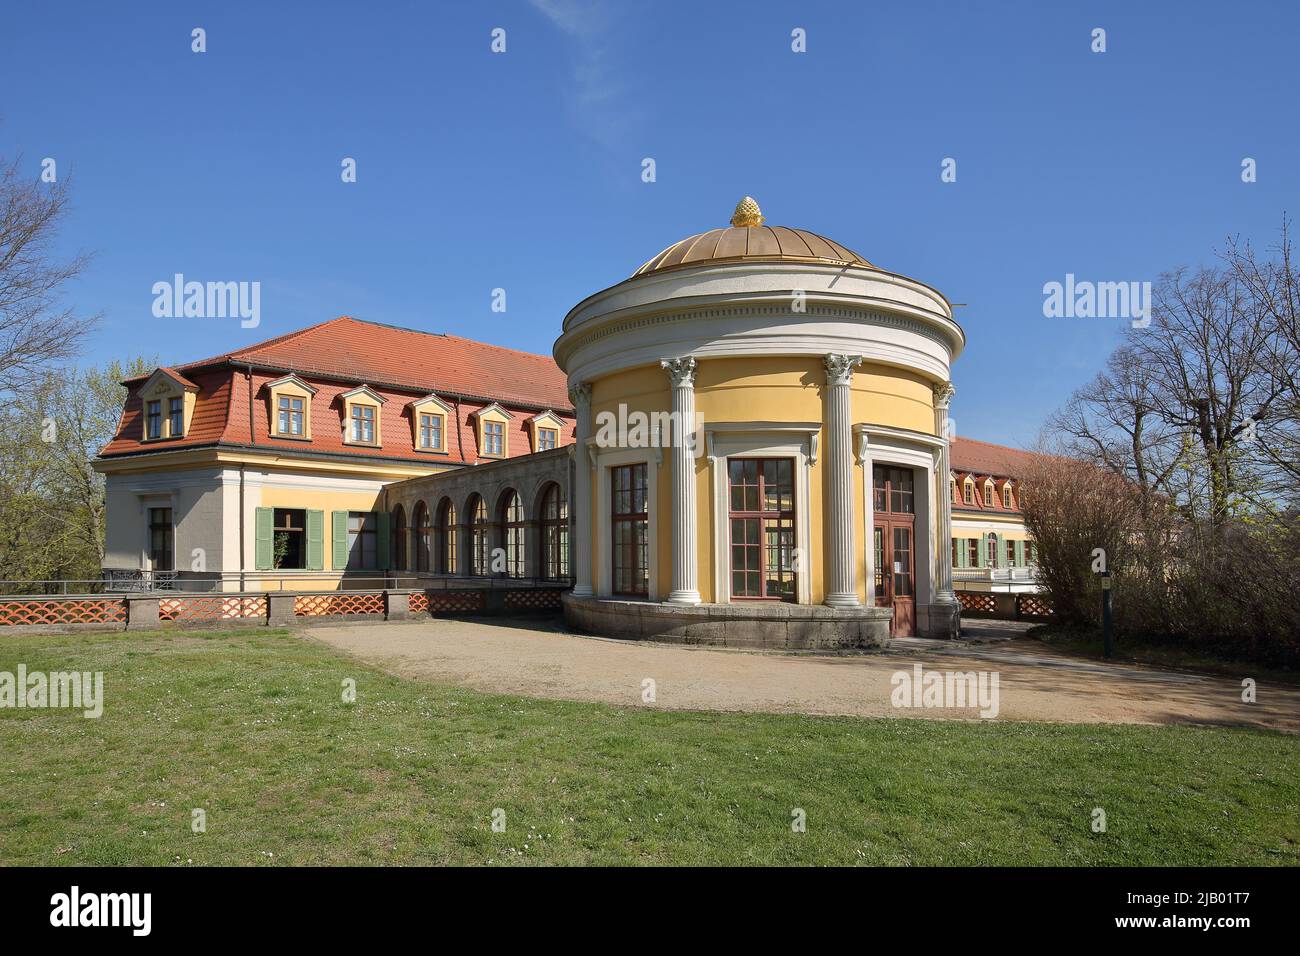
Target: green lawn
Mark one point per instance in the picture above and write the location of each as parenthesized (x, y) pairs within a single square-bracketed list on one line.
[(250, 726)]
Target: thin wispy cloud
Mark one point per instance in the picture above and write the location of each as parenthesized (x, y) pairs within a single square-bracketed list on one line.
[(597, 98)]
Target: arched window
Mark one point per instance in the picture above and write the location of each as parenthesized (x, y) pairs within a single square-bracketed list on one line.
[(399, 539), (446, 537), (554, 526), (993, 550), (422, 537), (476, 513), (511, 518), (1006, 497)]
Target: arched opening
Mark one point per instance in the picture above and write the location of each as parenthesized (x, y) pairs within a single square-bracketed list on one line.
[(510, 516), (554, 526), (993, 550), (447, 537), (479, 528), (399, 538)]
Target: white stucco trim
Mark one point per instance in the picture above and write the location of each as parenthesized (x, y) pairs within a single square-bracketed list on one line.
[(759, 440), (882, 445), (601, 554)]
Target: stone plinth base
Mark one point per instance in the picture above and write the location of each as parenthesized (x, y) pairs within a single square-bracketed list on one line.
[(941, 621), (755, 625)]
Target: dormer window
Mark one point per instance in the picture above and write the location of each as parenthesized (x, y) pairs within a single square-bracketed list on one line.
[(429, 417), (169, 400), (493, 438), (290, 408), (1006, 497), (988, 495), (361, 416), (546, 429), (968, 492)]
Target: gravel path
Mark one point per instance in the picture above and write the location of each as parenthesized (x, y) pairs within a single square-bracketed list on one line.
[(1034, 683)]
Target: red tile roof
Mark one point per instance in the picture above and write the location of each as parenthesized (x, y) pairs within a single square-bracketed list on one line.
[(359, 351), (336, 356), (985, 458)]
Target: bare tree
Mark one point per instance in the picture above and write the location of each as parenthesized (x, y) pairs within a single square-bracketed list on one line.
[(1114, 421), (1207, 355), (1274, 286), (34, 330)]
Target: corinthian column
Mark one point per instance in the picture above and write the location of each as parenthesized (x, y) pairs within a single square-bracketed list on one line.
[(581, 542), (943, 593), (686, 588), (841, 589)]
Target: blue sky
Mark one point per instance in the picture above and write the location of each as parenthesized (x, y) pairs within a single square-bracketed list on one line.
[(523, 170)]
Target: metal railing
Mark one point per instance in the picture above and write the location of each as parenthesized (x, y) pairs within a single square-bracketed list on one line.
[(1027, 575), (134, 581)]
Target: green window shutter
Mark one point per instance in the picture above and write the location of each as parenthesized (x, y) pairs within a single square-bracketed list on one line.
[(983, 541), (315, 540), (1002, 550), (383, 544), (962, 554), (339, 544), (1020, 554), (264, 539)]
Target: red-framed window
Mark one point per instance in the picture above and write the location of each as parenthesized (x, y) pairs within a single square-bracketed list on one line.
[(422, 537), (630, 521), (479, 563), (512, 533), (554, 526), (894, 490), (762, 520), (447, 537)]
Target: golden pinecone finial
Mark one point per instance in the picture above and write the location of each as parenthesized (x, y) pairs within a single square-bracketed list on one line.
[(747, 213)]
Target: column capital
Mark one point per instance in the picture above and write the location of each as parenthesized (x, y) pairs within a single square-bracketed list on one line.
[(681, 371), (580, 395), (839, 368), (943, 393)]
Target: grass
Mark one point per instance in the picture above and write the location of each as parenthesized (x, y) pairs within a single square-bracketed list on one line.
[(250, 726)]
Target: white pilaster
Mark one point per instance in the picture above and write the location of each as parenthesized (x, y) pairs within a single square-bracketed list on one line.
[(685, 583), (943, 593), (581, 543), (841, 590)]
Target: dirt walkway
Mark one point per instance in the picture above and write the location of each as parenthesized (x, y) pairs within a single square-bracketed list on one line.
[(1034, 683)]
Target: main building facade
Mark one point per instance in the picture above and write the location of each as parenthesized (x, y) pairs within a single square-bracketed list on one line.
[(744, 442)]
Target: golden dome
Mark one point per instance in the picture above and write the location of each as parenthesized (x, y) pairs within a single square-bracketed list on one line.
[(748, 240)]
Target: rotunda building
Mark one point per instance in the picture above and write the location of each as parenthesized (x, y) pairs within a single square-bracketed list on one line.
[(762, 450)]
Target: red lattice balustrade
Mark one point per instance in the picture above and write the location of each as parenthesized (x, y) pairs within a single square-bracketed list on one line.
[(542, 599), (89, 611), (211, 608), (977, 601), (1031, 605), (328, 605)]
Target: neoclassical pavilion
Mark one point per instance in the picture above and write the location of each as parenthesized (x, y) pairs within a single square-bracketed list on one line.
[(761, 446)]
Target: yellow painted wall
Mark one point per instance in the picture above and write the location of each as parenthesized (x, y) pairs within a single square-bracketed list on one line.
[(763, 389)]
